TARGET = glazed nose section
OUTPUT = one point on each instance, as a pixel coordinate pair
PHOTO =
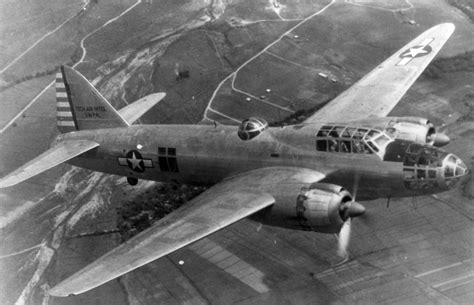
(454, 169)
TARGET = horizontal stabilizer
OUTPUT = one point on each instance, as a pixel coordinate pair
(54, 156)
(135, 110)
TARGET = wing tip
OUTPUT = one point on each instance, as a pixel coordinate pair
(58, 293)
(447, 27)
(9, 180)
(5, 184)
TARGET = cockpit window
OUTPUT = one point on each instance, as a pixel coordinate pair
(336, 131)
(351, 140)
(348, 132)
(372, 134)
(360, 133)
(381, 140)
(324, 131)
(371, 145)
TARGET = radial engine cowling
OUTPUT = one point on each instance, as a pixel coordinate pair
(325, 207)
(416, 129)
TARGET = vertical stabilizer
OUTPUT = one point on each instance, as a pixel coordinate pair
(81, 106)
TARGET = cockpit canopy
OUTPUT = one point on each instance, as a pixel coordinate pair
(250, 128)
(351, 140)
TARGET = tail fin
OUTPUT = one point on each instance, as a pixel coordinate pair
(80, 106)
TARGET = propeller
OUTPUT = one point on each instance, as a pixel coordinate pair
(347, 211)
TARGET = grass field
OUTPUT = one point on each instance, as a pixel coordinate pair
(63, 47)
(23, 22)
(342, 43)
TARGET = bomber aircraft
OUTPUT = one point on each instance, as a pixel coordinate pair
(297, 177)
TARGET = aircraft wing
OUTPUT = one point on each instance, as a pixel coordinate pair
(221, 205)
(377, 93)
(135, 110)
(54, 156)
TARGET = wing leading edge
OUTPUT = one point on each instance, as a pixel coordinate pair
(377, 93)
(221, 205)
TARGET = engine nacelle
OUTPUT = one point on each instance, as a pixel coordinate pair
(416, 129)
(320, 208)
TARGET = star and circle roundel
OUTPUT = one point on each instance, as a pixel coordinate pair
(417, 51)
(134, 160)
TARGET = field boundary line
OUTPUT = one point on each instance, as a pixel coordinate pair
(234, 74)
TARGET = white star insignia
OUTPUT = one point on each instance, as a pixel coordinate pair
(135, 162)
(413, 52)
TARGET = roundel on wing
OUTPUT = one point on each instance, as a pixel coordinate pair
(417, 51)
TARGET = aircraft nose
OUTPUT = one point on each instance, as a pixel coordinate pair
(440, 139)
(454, 169)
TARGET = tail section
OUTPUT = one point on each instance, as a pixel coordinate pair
(80, 106)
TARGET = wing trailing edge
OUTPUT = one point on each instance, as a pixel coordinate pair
(54, 156)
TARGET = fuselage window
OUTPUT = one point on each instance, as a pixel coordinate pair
(345, 146)
(333, 145)
(358, 146)
(322, 145)
(410, 159)
(409, 173)
(449, 171)
(372, 145)
(167, 159)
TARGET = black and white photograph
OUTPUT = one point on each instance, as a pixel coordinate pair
(236, 152)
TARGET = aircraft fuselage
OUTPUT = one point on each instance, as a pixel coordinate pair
(205, 154)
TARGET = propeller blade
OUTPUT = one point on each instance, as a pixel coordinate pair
(355, 188)
(344, 238)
